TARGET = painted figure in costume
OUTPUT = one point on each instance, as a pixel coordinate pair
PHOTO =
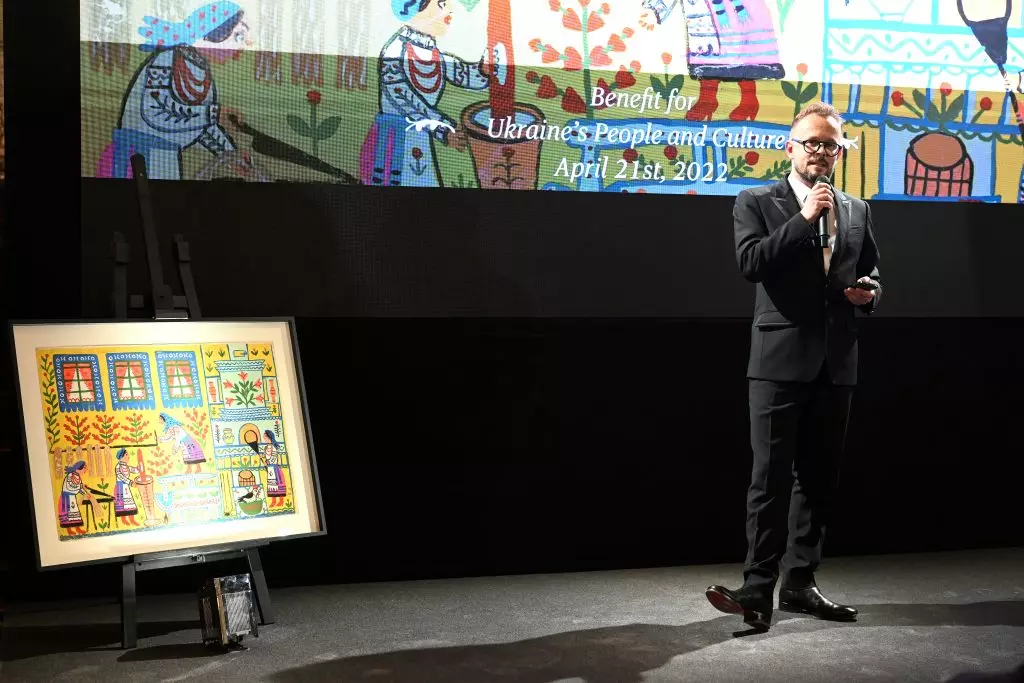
(173, 102)
(413, 73)
(729, 40)
(182, 444)
(70, 514)
(277, 487)
(124, 501)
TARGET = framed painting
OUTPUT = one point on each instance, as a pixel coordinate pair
(147, 437)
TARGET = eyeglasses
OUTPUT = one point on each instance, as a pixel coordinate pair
(815, 146)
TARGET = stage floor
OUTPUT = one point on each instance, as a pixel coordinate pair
(923, 617)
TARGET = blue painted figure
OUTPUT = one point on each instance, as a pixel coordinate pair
(182, 444)
(173, 102)
(413, 73)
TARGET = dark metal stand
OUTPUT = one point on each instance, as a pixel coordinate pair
(162, 305)
(183, 558)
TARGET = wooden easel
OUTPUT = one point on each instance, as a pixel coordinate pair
(163, 305)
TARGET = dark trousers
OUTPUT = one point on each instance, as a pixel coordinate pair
(797, 431)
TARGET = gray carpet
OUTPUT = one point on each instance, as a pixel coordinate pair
(923, 618)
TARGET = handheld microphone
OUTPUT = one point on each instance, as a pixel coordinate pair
(823, 217)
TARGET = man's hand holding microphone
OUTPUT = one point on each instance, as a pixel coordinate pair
(820, 201)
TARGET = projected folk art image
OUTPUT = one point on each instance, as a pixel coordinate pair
(157, 436)
(635, 96)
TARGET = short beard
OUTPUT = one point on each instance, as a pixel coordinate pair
(811, 178)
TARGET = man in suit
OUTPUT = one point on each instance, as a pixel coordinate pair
(802, 367)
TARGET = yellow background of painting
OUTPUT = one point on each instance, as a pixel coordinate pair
(149, 446)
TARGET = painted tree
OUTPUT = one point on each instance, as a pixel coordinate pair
(77, 429)
(353, 44)
(308, 42)
(159, 462)
(110, 38)
(268, 59)
(172, 9)
(51, 409)
(197, 424)
(136, 429)
(587, 23)
(106, 429)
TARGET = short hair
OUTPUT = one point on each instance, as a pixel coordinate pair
(819, 109)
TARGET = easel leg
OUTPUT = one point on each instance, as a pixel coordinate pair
(128, 632)
(262, 593)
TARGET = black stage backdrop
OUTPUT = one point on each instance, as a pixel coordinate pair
(528, 381)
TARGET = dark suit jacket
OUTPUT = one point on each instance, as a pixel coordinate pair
(802, 318)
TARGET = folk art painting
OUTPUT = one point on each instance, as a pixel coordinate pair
(635, 96)
(145, 437)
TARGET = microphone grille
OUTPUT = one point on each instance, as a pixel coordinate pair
(823, 179)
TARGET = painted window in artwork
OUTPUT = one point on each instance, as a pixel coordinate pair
(131, 380)
(80, 383)
(178, 374)
(179, 379)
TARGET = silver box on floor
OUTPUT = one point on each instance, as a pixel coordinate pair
(227, 610)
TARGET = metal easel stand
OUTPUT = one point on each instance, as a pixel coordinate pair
(162, 305)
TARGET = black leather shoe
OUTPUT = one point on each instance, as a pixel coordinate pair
(811, 601)
(755, 607)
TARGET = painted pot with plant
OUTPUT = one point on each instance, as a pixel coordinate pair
(937, 162)
(512, 161)
(502, 160)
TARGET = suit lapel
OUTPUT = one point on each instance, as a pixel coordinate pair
(785, 200)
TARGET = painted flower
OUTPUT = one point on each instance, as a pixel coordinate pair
(985, 104)
(946, 89)
(571, 20)
(752, 158)
(801, 69)
(897, 99)
(572, 102)
(624, 79)
(417, 153)
(314, 97)
(671, 152)
(630, 155)
(547, 88)
(666, 58)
